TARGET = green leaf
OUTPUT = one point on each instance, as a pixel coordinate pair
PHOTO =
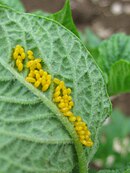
(127, 171)
(34, 134)
(117, 129)
(64, 17)
(119, 78)
(16, 4)
(113, 58)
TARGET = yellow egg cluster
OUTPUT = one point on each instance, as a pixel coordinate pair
(64, 101)
(83, 132)
(40, 78)
(36, 74)
(19, 55)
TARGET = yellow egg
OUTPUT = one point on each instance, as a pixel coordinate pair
(39, 66)
(21, 50)
(56, 93)
(78, 128)
(81, 132)
(65, 92)
(37, 84)
(45, 74)
(84, 142)
(37, 76)
(29, 52)
(56, 81)
(58, 88)
(69, 98)
(18, 62)
(43, 82)
(72, 118)
(38, 60)
(20, 67)
(89, 144)
(31, 57)
(36, 72)
(45, 87)
(57, 99)
(82, 137)
(78, 118)
(29, 63)
(18, 46)
(65, 97)
(68, 114)
(41, 71)
(71, 103)
(31, 74)
(23, 55)
(20, 58)
(30, 79)
(68, 91)
(62, 84)
(61, 105)
(64, 110)
(15, 55)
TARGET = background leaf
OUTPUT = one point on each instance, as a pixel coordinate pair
(34, 137)
(113, 57)
(119, 77)
(127, 171)
(114, 142)
(16, 4)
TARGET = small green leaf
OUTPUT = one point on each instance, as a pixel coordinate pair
(34, 134)
(117, 130)
(114, 58)
(16, 4)
(119, 77)
(112, 50)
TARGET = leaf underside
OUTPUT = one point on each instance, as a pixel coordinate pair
(32, 138)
